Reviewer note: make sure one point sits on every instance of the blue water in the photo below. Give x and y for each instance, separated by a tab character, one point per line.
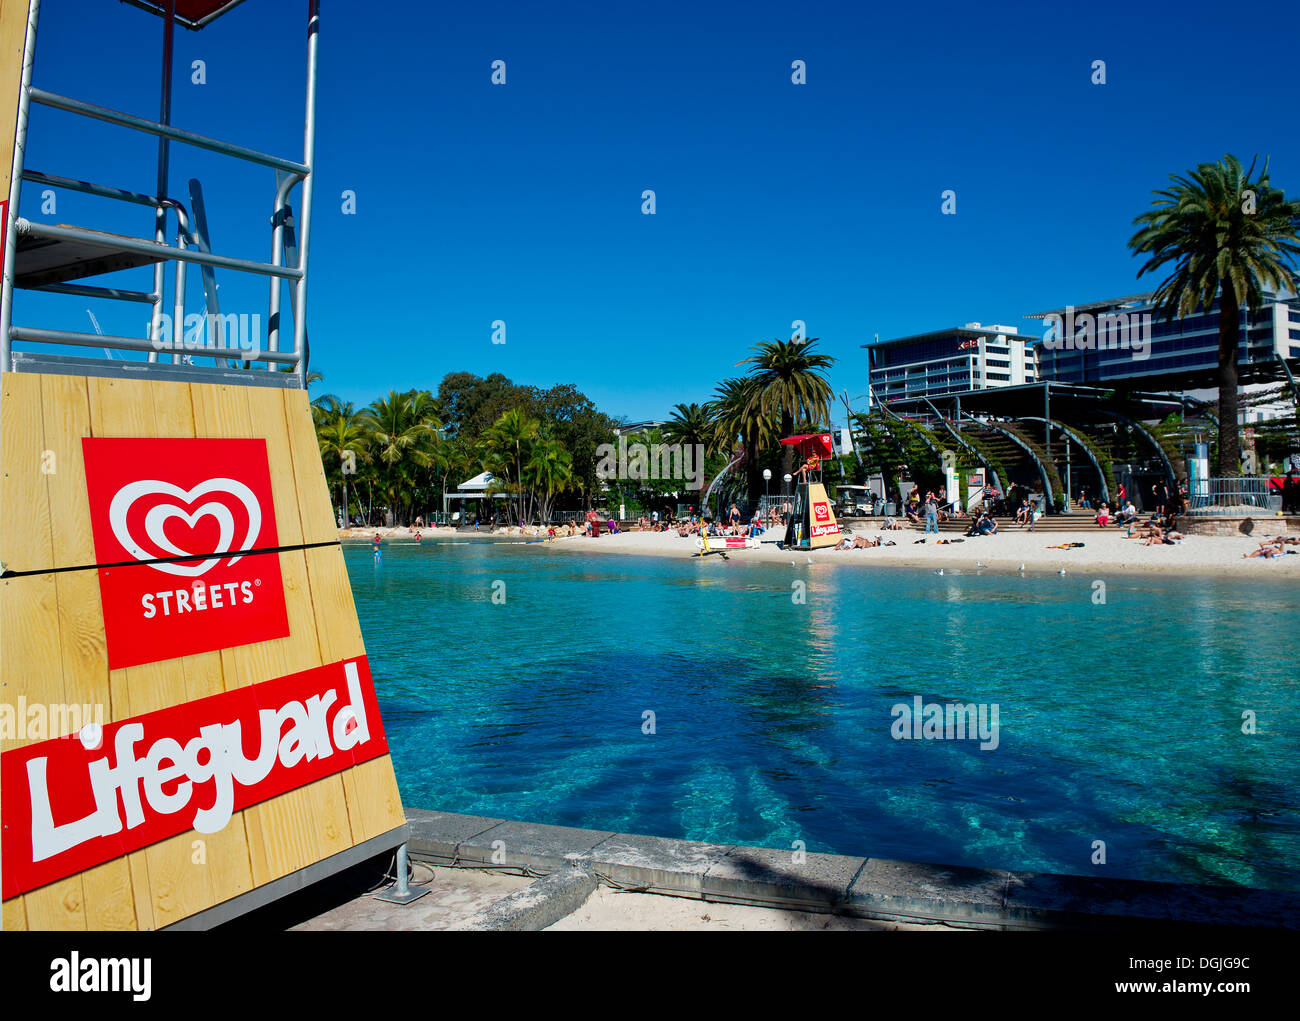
1119	722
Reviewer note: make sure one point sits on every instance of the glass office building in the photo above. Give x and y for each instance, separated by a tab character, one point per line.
1124	339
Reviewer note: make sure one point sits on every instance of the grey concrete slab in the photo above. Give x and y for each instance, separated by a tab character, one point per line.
656	863
531	845
454	896
541	903
900	889
876	888
438	834
760	873
1083	900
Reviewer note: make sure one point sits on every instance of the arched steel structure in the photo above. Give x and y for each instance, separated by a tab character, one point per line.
1074	435
1038	461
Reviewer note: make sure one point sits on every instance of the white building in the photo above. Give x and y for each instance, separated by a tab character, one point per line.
971	357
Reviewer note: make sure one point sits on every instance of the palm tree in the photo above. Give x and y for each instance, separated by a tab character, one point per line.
789	386
340	431
690	425
736	410
550	470
1228	237
402	434
506	440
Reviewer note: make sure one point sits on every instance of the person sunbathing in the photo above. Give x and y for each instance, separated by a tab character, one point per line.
1267	551
858	542
891	523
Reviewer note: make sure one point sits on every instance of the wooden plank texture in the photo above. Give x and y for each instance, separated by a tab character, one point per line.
53	650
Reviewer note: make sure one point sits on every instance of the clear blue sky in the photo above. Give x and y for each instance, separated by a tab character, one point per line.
775	201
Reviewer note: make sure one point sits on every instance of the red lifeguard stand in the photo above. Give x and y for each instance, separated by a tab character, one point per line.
813	524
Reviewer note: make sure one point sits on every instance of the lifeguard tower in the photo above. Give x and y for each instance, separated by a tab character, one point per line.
175	601
812	522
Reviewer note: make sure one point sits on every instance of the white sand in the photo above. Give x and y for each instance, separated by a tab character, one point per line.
1107	550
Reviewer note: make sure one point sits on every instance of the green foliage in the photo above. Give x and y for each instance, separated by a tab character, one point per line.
1221	235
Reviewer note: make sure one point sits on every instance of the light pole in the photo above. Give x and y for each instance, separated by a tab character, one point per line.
767	495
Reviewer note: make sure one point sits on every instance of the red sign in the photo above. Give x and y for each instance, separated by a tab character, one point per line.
822	524
163	499
73	803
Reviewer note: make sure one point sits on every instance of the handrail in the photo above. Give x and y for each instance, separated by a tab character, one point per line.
126	120
109	192
121	243
75	339
88	291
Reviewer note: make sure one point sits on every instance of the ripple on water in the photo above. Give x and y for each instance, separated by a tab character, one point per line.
1120	723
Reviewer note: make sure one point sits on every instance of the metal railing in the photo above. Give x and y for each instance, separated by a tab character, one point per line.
158	250
1212	497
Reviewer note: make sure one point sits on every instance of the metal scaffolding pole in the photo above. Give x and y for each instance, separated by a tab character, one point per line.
16	184
308	158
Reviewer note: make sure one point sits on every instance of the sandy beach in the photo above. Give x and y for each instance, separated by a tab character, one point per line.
1107	550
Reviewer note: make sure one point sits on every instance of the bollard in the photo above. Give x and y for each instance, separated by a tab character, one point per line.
400	892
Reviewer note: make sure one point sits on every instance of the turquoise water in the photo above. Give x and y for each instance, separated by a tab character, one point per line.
1119	722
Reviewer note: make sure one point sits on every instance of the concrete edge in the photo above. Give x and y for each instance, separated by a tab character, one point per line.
541	903
862	887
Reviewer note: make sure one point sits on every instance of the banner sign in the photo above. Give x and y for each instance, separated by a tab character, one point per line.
74	802
165	498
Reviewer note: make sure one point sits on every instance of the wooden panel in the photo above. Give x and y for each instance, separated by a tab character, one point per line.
24	497
318	524
266	418
66	417
53	648
312	822
13	915
13	33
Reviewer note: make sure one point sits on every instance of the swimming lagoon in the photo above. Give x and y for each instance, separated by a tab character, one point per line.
517	681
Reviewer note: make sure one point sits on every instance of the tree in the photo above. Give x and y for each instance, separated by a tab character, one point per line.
548	471
505	443
402	432
789	386
340	431
690	425
1227	237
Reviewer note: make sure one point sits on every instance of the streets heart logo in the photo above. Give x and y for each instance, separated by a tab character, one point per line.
178	521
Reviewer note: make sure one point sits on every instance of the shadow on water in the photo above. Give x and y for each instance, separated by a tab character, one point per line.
772	718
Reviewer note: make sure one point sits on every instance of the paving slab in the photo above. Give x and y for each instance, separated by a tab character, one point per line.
767	874
454	896
657	863
531	845
439	834
901	889
541	903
